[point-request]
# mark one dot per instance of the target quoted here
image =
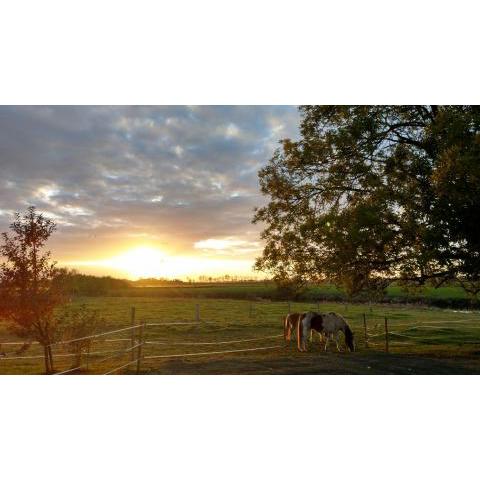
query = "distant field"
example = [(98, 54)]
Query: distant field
[(422, 340), (450, 296)]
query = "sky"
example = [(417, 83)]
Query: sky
[(164, 191)]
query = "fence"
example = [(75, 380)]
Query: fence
[(135, 349), (137, 342)]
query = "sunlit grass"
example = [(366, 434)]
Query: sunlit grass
[(413, 331)]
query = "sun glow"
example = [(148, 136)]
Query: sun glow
[(140, 262), (151, 262)]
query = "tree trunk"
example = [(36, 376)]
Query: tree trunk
[(47, 359), (50, 356)]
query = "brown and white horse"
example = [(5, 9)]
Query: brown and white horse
[(330, 324), (290, 326)]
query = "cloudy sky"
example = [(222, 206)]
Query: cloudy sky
[(143, 191)]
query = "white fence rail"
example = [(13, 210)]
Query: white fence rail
[(137, 342)]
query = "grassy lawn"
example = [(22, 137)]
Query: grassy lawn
[(422, 340)]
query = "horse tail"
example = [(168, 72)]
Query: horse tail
[(285, 327), (349, 337)]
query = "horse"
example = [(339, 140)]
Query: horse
[(290, 323), (328, 323)]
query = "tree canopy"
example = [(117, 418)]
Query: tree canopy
[(372, 194)]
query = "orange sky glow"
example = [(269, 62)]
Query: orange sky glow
[(147, 191)]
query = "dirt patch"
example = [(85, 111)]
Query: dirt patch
[(364, 363)]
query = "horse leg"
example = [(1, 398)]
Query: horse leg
[(305, 337), (326, 342), (304, 340), (311, 335), (336, 342)]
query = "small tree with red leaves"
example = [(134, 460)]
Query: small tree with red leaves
[(29, 291)]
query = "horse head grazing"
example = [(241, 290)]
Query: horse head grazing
[(349, 341)]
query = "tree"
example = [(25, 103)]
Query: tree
[(372, 194), (29, 291)]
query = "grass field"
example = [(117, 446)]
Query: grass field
[(422, 340), (448, 296)]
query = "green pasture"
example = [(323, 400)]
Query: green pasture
[(449, 296), (417, 335)]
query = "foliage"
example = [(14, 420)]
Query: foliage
[(371, 194), (29, 291), (78, 284), (156, 282), (79, 323), (290, 288)]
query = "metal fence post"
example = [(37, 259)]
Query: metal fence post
[(386, 335), (365, 330), (132, 334), (140, 344)]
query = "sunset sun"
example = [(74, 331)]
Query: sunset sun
[(140, 262)]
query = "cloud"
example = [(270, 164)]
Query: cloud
[(228, 246), (177, 175)]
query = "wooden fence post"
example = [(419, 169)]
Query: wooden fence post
[(132, 334), (365, 330), (87, 355), (140, 344), (386, 335), (197, 312)]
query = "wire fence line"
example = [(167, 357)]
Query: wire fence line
[(96, 362), (222, 352), (66, 342), (198, 323), (31, 357), (121, 367), (38, 343), (174, 323), (157, 342), (137, 345)]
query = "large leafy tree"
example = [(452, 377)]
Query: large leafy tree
[(29, 286), (372, 194)]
